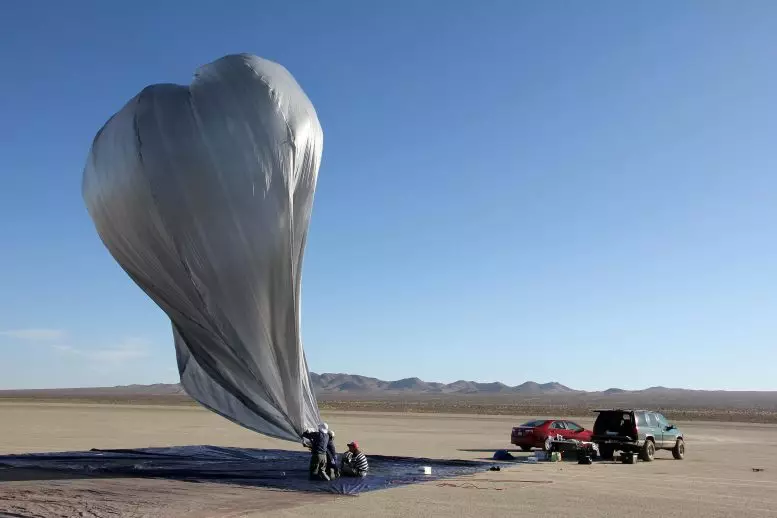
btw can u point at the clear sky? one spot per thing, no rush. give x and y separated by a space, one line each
571 191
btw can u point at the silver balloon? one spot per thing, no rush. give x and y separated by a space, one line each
203 195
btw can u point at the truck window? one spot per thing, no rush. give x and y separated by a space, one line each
612 422
641 420
652 420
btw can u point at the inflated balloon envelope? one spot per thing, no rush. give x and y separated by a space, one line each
203 195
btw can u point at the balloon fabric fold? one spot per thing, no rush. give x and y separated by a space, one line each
203 195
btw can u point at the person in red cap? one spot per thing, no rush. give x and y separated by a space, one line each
354 462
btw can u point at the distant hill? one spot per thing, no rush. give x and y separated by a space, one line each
337 391
337 383
350 386
351 383
344 382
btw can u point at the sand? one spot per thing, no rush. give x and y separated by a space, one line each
715 479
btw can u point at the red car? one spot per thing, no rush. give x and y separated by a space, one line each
539 433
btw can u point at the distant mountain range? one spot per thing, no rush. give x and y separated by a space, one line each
334 383
329 384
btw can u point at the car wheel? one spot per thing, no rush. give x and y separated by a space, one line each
678 452
547 444
526 448
648 450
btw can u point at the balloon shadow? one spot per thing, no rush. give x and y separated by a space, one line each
276 469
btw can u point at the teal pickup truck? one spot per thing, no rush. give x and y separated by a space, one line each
636 431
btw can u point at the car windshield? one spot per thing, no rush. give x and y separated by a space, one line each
533 424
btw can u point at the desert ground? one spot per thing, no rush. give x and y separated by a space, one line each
716 478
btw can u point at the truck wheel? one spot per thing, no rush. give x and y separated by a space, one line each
648 450
678 452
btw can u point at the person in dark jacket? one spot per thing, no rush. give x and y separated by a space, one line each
319 446
332 470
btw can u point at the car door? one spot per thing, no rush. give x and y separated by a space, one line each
558 428
669 433
653 430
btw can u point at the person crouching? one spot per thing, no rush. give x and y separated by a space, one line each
354 462
319 445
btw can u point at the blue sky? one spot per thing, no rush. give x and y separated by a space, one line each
509 190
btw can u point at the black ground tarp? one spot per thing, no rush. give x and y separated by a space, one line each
277 469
